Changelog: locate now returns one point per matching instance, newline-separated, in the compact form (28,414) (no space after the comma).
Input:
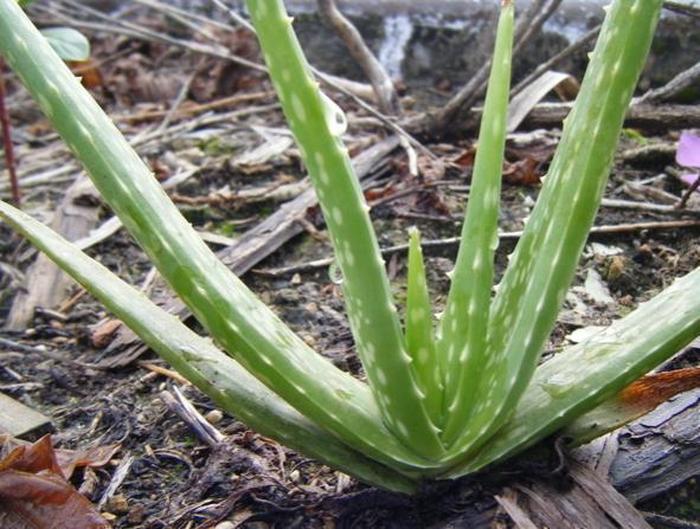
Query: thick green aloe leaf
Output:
(238,320)
(543,264)
(463,330)
(419,329)
(317,124)
(582,377)
(198,360)
(635,400)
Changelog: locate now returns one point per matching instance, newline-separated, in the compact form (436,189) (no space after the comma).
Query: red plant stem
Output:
(7,140)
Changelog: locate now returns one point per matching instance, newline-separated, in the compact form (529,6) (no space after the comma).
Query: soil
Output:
(177,480)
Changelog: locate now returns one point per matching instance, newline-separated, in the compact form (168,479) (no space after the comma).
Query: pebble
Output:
(214,416)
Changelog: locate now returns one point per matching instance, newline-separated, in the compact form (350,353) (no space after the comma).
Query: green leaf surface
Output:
(68,43)
(464,327)
(317,124)
(419,329)
(635,400)
(543,264)
(583,376)
(198,360)
(236,318)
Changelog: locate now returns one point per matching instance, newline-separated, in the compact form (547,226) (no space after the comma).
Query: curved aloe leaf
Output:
(544,262)
(419,329)
(635,400)
(238,320)
(464,326)
(583,376)
(317,124)
(196,358)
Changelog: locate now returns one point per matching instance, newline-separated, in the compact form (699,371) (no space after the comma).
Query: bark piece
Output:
(381,83)
(19,420)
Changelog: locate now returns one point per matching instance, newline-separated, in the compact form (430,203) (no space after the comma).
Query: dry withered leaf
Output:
(34,491)
(651,390)
(103,334)
(95,457)
(431,168)
(89,73)
(44,501)
(465,159)
(522,173)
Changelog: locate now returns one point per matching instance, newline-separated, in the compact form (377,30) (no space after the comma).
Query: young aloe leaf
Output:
(317,124)
(464,326)
(544,262)
(196,358)
(583,376)
(238,320)
(419,329)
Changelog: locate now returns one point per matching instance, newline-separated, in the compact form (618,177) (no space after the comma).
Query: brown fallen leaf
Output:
(44,501)
(648,392)
(88,71)
(524,172)
(465,159)
(34,491)
(103,334)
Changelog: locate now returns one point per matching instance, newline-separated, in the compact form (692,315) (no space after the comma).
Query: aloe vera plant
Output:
(439,402)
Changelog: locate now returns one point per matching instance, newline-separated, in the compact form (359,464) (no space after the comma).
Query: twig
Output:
(160,370)
(684,199)
(43,351)
(530,23)
(649,206)
(332,82)
(680,82)
(684,8)
(196,109)
(454,241)
(375,72)
(120,26)
(182,94)
(556,59)
(196,23)
(183,408)
(173,11)
(7,140)
(118,477)
(640,115)
(670,522)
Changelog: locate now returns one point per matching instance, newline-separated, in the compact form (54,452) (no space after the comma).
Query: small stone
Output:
(296,279)
(225,525)
(616,267)
(214,416)
(136,514)
(295,476)
(118,504)
(308,339)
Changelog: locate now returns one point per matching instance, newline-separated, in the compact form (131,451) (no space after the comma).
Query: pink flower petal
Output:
(689,179)
(688,153)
